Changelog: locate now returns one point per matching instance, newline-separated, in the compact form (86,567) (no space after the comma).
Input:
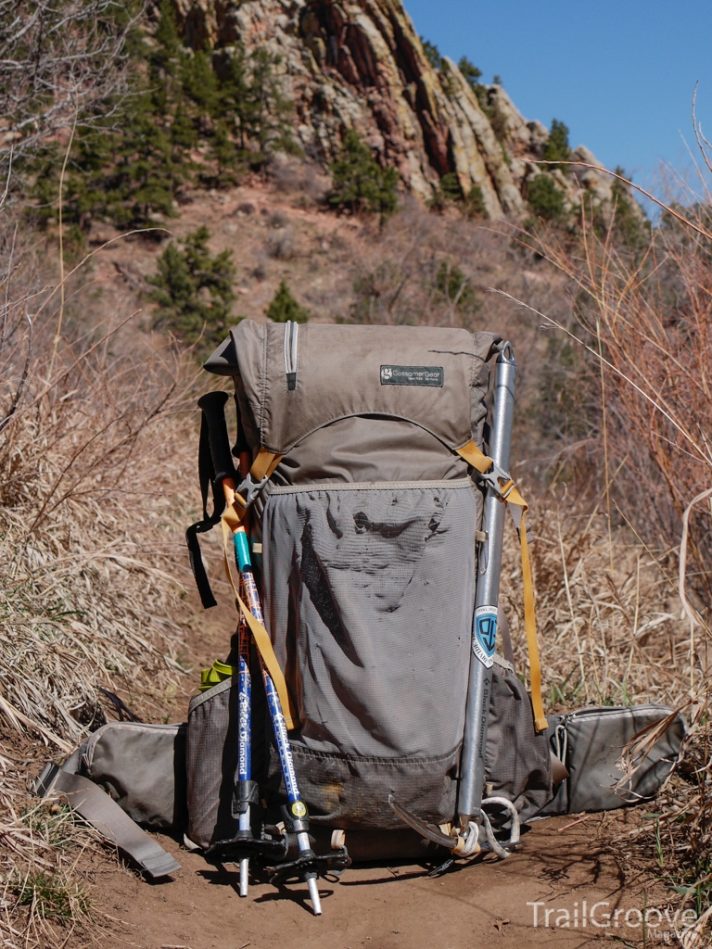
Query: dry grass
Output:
(632,618)
(95,470)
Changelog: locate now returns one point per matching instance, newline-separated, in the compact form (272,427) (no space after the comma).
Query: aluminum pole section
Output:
(484,628)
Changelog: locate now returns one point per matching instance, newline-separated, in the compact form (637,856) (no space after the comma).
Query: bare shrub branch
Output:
(57,61)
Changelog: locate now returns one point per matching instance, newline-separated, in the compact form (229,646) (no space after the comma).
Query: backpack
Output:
(366,493)
(363,711)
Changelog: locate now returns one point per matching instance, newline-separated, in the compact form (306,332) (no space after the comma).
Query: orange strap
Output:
(518,508)
(263,466)
(233,517)
(259,633)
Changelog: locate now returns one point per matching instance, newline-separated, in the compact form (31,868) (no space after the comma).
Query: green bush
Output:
(472,75)
(454,287)
(359,183)
(474,203)
(545,199)
(449,192)
(432,54)
(470,72)
(192,290)
(631,225)
(284,306)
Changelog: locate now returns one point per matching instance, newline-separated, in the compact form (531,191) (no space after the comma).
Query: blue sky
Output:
(619,74)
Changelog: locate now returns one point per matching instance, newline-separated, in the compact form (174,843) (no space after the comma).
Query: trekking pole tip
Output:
(244,870)
(314,894)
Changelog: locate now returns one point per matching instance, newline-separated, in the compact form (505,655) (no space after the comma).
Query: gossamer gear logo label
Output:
(413,376)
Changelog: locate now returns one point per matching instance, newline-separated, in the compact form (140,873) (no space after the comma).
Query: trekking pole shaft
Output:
(244,764)
(297,807)
(472,762)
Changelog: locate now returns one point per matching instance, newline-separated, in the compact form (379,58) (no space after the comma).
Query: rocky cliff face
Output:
(360,64)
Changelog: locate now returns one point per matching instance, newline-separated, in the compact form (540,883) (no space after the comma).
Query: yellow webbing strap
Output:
(259,633)
(264,464)
(233,517)
(518,509)
(235,507)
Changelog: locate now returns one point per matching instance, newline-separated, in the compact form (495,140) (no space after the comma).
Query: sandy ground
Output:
(561,868)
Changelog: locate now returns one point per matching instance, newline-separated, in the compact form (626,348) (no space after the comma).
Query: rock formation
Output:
(360,64)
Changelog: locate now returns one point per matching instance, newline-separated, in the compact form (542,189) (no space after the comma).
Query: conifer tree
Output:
(359,182)
(284,307)
(192,290)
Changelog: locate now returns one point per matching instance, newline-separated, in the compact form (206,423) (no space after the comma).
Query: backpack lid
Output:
(296,378)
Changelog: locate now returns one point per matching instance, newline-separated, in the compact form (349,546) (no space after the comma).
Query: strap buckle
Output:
(499,480)
(249,490)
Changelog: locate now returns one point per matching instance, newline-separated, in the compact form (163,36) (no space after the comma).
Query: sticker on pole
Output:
(485,634)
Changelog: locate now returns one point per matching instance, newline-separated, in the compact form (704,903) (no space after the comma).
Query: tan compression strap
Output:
(475,457)
(518,509)
(259,633)
(264,464)
(235,512)
(540,721)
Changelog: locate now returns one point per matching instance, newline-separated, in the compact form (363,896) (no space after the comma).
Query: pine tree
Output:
(545,199)
(359,182)
(557,146)
(284,306)
(264,111)
(470,72)
(193,290)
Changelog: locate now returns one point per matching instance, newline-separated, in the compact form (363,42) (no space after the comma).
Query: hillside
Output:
(354,64)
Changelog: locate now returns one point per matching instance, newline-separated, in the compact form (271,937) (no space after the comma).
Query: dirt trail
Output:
(389,907)
(562,864)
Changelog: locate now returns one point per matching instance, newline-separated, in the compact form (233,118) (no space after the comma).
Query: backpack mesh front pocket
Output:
(369,591)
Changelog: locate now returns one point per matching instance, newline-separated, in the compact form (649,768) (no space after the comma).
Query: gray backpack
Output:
(367,532)
(363,684)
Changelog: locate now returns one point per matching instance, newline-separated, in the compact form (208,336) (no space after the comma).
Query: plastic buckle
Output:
(249,489)
(499,480)
(43,784)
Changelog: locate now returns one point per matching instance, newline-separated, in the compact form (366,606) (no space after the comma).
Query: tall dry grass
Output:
(96,477)
(629,528)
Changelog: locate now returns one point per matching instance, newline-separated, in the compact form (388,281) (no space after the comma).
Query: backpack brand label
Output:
(413,376)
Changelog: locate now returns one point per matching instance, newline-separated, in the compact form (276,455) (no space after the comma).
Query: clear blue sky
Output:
(619,74)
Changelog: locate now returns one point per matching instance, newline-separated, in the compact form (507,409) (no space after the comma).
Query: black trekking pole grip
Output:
(213,408)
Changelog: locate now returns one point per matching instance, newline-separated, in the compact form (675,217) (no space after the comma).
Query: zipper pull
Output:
(291,331)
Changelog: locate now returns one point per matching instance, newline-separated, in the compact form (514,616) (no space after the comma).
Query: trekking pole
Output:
(296,806)
(213,406)
(244,753)
(484,632)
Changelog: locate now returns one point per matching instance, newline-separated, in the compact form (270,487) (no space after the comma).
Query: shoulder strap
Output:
(206,477)
(103,813)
